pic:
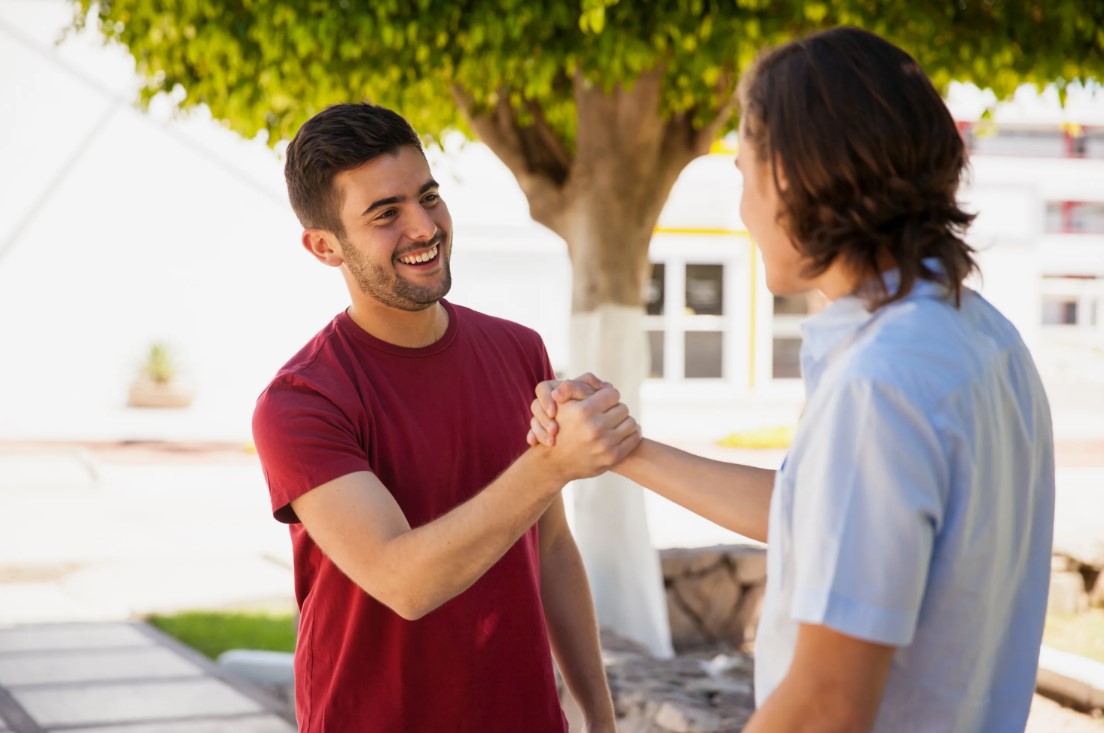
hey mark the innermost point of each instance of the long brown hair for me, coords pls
(871, 155)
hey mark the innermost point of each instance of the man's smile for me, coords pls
(422, 257)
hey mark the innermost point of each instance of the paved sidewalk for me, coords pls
(96, 537)
(121, 678)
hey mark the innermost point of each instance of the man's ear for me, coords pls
(323, 245)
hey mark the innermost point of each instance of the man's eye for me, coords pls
(387, 214)
(431, 198)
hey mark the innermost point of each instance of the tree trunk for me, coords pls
(608, 234)
(611, 526)
(604, 198)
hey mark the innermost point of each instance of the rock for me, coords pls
(682, 561)
(1096, 595)
(751, 565)
(683, 718)
(713, 594)
(745, 618)
(710, 599)
(1081, 550)
(695, 692)
(1067, 593)
(686, 631)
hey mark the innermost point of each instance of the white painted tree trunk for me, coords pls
(611, 526)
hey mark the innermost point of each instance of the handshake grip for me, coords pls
(583, 425)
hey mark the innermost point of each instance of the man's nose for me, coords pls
(421, 225)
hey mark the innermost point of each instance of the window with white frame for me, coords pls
(685, 320)
(789, 312)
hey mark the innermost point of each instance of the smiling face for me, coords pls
(398, 231)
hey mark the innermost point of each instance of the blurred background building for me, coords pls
(120, 230)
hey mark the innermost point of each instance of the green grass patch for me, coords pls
(1077, 633)
(213, 632)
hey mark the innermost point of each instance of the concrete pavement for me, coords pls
(117, 677)
(106, 534)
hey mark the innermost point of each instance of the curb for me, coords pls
(1070, 678)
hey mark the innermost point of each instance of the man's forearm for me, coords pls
(573, 633)
(734, 496)
(443, 558)
(834, 685)
(358, 524)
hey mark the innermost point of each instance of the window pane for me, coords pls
(703, 354)
(787, 358)
(655, 352)
(1058, 311)
(705, 290)
(653, 292)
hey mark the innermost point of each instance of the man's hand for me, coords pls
(595, 430)
(552, 393)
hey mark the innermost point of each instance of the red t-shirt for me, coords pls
(435, 425)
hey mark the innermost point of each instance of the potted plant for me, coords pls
(157, 385)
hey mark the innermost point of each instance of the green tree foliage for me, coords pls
(269, 65)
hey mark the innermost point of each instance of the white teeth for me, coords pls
(423, 257)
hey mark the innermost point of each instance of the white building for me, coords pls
(120, 228)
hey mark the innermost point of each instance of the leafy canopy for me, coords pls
(263, 65)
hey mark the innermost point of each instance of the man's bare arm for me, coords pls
(572, 625)
(834, 685)
(734, 496)
(359, 526)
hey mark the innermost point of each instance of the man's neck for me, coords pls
(840, 279)
(411, 329)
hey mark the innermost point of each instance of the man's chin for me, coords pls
(424, 300)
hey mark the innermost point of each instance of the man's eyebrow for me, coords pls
(428, 185)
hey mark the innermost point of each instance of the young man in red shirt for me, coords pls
(433, 564)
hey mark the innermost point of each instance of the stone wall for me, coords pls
(714, 594)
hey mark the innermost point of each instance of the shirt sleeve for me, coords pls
(868, 501)
(303, 440)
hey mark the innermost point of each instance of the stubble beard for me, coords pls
(390, 288)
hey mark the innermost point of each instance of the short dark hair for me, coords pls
(337, 139)
(871, 155)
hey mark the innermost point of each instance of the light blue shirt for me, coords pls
(916, 508)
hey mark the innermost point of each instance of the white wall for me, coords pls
(118, 228)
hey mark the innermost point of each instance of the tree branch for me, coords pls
(534, 153)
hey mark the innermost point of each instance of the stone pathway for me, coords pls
(121, 678)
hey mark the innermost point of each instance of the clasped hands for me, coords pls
(584, 424)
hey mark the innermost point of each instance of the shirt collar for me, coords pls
(843, 318)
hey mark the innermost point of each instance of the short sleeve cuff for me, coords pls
(852, 617)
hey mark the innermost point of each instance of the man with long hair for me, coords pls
(909, 529)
